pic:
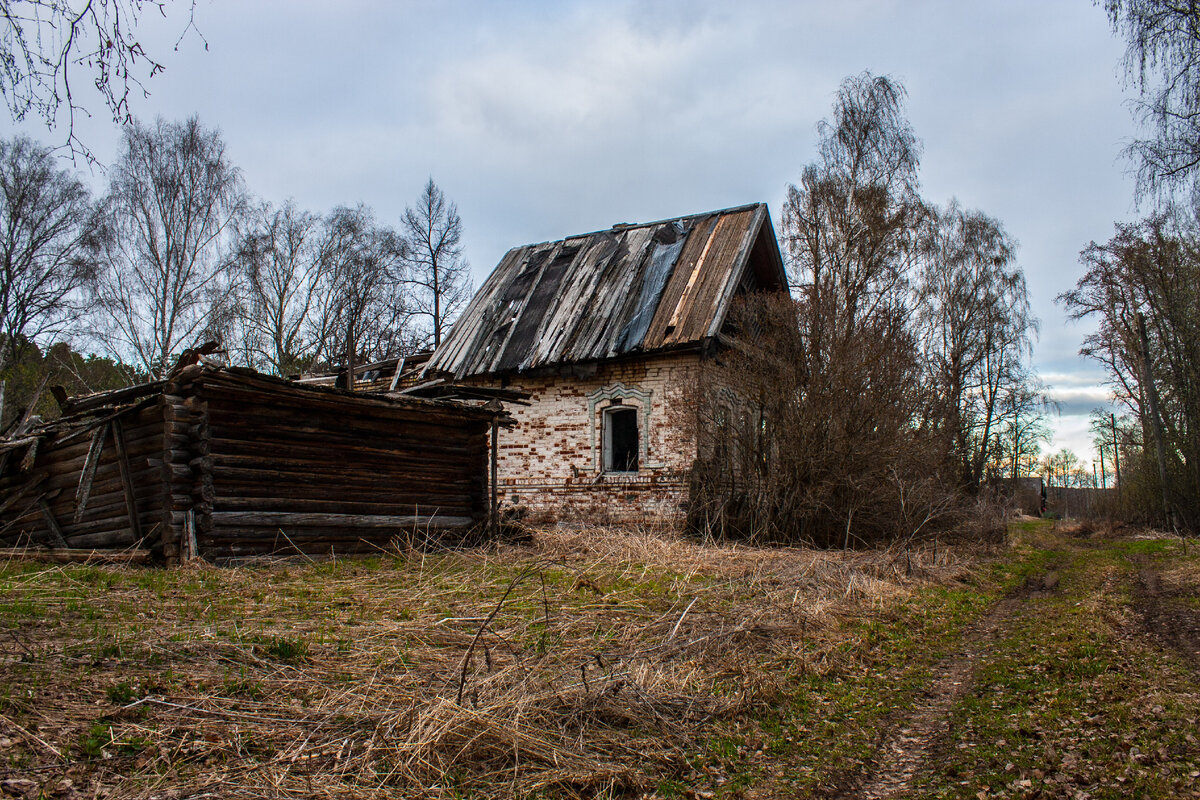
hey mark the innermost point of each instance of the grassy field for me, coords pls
(611, 663)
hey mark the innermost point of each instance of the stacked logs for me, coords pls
(223, 463)
(90, 482)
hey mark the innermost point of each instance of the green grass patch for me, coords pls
(290, 650)
(1069, 702)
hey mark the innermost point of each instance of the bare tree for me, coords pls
(851, 226)
(828, 456)
(172, 203)
(815, 441)
(1061, 469)
(1162, 60)
(362, 314)
(279, 264)
(45, 231)
(975, 317)
(1143, 288)
(837, 419)
(43, 42)
(1022, 429)
(432, 233)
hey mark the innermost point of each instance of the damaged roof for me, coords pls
(630, 289)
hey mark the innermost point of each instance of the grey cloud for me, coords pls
(546, 119)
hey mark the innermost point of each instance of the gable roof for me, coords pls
(632, 288)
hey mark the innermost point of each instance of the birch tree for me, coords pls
(850, 226)
(170, 212)
(1162, 61)
(46, 228)
(432, 234)
(1142, 288)
(46, 45)
(362, 314)
(976, 321)
(280, 271)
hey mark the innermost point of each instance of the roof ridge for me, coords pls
(628, 226)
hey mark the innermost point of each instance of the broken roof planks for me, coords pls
(633, 288)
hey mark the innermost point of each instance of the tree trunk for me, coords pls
(350, 356)
(1155, 419)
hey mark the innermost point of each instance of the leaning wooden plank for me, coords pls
(71, 554)
(279, 518)
(20, 518)
(56, 532)
(88, 473)
(27, 417)
(135, 525)
(30, 455)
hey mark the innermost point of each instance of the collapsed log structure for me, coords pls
(221, 463)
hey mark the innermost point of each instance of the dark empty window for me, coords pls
(621, 440)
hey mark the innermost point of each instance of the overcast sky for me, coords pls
(544, 119)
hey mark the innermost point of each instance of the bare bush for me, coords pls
(793, 449)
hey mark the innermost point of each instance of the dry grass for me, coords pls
(592, 661)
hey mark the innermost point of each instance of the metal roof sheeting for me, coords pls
(632, 288)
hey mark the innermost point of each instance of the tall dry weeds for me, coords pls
(593, 659)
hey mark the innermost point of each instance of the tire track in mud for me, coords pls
(907, 744)
(1165, 617)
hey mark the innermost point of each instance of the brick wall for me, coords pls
(551, 464)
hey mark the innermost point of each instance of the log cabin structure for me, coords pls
(605, 332)
(222, 463)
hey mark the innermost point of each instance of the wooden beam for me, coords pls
(114, 397)
(315, 519)
(88, 474)
(396, 376)
(56, 533)
(60, 397)
(190, 549)
(135, 525)
(493, 500)
(75, 555)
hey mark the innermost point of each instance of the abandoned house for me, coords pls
(605, 331)
(222, 463)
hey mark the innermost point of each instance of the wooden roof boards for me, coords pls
(629, 289)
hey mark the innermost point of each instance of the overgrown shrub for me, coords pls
(797, 448)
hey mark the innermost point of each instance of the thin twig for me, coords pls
(462, 678)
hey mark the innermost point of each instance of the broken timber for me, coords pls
(223, 463)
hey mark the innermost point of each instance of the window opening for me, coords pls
(621, 439)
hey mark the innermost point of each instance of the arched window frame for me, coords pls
(601, 400)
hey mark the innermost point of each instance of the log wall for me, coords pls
(50, 486)
(226, 463)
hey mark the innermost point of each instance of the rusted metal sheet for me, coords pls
(633, 288)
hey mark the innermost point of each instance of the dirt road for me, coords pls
(1081, 683)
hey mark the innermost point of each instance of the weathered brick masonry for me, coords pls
(605, 330)
(551, 463)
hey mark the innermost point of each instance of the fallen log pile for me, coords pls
(222, 462)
